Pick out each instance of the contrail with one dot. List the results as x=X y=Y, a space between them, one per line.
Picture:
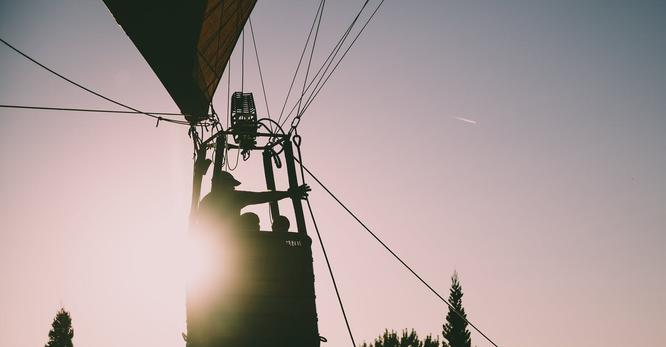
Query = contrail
x=466 y=120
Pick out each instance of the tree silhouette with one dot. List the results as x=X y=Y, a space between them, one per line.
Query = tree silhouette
x=407 y=339
x=61 y=330
x=430 y=342
x=455 y=330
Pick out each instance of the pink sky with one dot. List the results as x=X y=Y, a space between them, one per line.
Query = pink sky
x=550 y=206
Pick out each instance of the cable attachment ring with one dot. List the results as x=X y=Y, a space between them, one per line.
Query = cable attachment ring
x=295 y=122
x=297 y=140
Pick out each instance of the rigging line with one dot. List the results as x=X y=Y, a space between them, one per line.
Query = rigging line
x=321 y=243
x=228 y=90
x=397 y=257
x=243 y=62
x=88 y=89
x=342 y=40
x=300 y=60
x=312 y=96
x=319 y=86
x=86 y=110
x=217 y=123
x=330 y=271
x=332 y=54
x=226 y=147
x=331 y=57
x=261 y=76
x=314 y=43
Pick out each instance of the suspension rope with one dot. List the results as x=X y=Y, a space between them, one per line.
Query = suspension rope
x=341 y=43
x=226 y=147
x=327 y=63
x=228 y=90
x=46 y=108
x=242 y=48
x=297 y=142
x=71 y=109
x=330 y=271
x=300 y=60
x=159 y=118
x=261 y=76
x=243 y=62
x=331 y=56
x=314 y=43
x=216 y=118
x=397 y=257
x=312 y=96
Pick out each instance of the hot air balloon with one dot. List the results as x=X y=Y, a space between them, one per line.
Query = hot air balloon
x=271 y=300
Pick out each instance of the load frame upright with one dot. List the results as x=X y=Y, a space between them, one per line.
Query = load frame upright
x=293 y=183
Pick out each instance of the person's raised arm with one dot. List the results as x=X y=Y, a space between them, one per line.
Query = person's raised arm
x=254 y=198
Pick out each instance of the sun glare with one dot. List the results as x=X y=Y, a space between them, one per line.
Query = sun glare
x=210 y=264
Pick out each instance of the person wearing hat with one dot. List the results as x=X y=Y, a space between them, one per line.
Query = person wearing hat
x=224 y=202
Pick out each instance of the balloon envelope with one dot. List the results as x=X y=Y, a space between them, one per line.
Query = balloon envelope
x=187 y=43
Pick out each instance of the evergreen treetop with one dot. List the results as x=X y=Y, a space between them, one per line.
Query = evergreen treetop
x=455 y=331
x=407 y=339
x=61 y=333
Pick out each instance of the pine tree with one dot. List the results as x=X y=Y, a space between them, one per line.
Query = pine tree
x=407 y=339
x=430 y=342
x=61 y=333
x=455 y=330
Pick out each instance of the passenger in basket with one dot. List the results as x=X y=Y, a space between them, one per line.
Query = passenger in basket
x=280 y=224
x=249 y=221
x=224 y=203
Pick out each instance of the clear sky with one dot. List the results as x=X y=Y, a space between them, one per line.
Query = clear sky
x=520 y=143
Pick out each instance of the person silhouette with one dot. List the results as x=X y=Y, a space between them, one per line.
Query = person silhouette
x=280 y=224
x=224 y=203
x=249 y=221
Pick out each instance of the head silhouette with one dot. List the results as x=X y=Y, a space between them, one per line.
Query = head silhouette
x=249 y=221
x=224 y=181
x=280 y=224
